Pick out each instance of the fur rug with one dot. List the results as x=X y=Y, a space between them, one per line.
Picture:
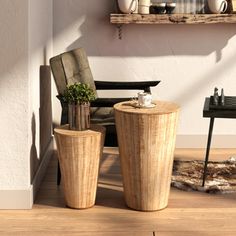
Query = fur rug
x=221 y=176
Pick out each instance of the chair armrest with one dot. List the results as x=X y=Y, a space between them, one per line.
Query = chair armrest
x=115 y=85
x=107 y=102
x=99 y=102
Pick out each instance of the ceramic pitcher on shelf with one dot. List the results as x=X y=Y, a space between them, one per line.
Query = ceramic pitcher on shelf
x=143 y=6
x=128 y=6
x=217 y=6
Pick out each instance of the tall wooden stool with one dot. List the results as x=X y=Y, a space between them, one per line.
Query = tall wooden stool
x=146 y=138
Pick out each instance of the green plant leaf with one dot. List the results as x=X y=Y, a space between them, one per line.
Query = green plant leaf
x=78 y=93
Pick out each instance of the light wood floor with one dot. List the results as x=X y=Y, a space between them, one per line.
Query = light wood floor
x=188 y=213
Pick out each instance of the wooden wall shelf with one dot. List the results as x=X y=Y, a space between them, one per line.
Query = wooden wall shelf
x=172 y=19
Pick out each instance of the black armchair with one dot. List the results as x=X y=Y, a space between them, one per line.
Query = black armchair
x=73 y=66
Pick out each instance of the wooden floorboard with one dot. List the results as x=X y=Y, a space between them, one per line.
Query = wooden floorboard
x=188 y=213
x=194 y=233
x=85 y=233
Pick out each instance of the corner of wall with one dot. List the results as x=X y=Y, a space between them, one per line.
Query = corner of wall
x=24 y=198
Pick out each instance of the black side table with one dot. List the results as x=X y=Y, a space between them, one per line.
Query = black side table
x=212 y=114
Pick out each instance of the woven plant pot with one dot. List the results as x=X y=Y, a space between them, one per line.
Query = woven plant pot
x=79 y=116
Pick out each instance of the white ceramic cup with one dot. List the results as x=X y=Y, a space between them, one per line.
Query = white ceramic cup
x=144 y=2
x=143 y=9
x=144 y=6
x=128 y=6
x=144 y=99
x=217 y=6
x=155 y=1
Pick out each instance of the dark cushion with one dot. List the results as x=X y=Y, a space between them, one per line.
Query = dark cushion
x=102 y=115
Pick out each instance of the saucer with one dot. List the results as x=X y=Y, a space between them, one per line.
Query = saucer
x=136 y=105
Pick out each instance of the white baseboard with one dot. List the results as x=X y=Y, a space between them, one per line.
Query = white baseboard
x=200 y=141
x=16 y=199
x=24 y=198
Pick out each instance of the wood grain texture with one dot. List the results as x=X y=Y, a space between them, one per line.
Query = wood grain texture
x=172 y=18
x=79 y=154
x=146 y=140
x=187 y=214
x=79 y=116
x=81 y=233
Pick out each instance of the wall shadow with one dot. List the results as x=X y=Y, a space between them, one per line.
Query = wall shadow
x=45 y=121
x=205 y=80
x=34 y=160
x=100 y=38
x=45 y=112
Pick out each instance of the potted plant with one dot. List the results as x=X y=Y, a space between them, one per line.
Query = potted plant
x=79 y=152
x=78 y=97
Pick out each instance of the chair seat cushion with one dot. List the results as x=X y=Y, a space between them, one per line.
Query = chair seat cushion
x=105 y=116
x=102 y=115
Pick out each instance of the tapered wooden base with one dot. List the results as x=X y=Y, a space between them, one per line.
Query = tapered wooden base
x=146 y=140
x=79 y=154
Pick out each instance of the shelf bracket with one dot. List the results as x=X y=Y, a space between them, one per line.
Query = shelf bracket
x=119 y=27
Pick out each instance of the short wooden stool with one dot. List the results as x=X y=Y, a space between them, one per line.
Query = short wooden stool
x=79 y=154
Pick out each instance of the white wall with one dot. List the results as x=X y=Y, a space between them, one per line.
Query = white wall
x=14 y=110
x=190 y=60
x=40 y=50
x=26 y=34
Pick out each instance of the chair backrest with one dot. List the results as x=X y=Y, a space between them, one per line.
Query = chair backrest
x=71 y=67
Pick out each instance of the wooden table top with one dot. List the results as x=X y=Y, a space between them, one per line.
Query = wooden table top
x=161 y=107
x=64 y=130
